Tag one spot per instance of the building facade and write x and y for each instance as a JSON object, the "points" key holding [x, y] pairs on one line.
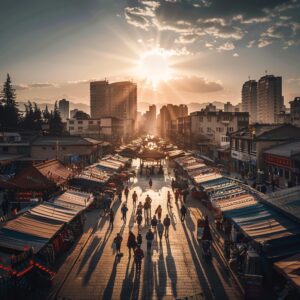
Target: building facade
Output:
{"points": [[100, 103], [295, 111], [249, 99], [64, 109], [269, 98]]}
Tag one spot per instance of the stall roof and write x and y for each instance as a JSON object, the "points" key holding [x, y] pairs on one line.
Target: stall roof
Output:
{"points": [[53, 212], [290, 268], [214, 179], [262, 223], [108, 165], [195, 166], [29, 225], [74, 199], [19, 241], [207, 179]]}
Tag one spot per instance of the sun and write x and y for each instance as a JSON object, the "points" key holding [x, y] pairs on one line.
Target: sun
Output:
{"points": [[154, 66]]}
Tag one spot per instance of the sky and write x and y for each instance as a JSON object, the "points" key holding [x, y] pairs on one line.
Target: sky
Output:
{"points": [[178, 51]]}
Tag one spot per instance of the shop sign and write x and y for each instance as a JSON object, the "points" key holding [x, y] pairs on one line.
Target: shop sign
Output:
{"points": [[242, 156], [278, 161]]}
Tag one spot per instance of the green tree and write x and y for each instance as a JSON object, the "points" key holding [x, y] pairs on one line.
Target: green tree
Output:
{"points": [[10, 112], [55, 123], [46, 114]]}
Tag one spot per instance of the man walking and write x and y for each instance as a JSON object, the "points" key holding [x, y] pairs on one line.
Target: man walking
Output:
{"points": [[111, 219], [154, 223], [167, 223], [160, 229], [138, 257], [118, 241], [183, 212], [134, 198], [126, 192], [124, 210], [149, 238]]}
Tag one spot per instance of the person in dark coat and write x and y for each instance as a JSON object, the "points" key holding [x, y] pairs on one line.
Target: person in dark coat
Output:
{"points": [[149, 238], [131, 242], [118, 241], [183, 212], [206, 231]]}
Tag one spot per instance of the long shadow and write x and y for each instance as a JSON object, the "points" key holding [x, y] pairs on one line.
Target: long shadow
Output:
{"points": [[96, 257], [216, 290], [127, 285], [171, 268], [161, 279], [148, 277], [111, 282]]}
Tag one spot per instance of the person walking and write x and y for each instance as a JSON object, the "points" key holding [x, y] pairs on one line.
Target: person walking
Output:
{"points": [[118, 241], [147, 208], [134, 198], [149, 238], [124, 210], [158, 211], [183, 211], [131, 242], [119, 194], [111, 219], [150, 183], [154, 223], [126, 192], [177, 195], [173, 184], [139, 209], [167, 223], [138, 257], [160, 229], [169, 200], [139, 220], [139, 239]]}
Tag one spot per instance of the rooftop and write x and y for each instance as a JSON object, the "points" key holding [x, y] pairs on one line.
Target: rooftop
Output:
{"points": [[64, 141], [286, 150]]}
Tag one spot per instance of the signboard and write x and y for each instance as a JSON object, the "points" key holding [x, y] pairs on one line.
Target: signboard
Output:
{"points": [[242, 156], [278, 161]]}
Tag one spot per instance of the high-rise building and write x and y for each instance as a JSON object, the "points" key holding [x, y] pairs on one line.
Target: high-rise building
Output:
{"points": [[123, 98], [295, 111], [100, 99], [249, 99], [64, 108], [269, 98], [118, 99], [228, 107]]}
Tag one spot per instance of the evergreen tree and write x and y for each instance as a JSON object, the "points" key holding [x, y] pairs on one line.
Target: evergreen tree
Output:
{"points": [[10, 113], [56, 124], [46, 114], [37, 118]]}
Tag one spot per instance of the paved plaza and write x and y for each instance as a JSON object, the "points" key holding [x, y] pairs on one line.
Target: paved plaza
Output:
{"points": [[175, 269]]}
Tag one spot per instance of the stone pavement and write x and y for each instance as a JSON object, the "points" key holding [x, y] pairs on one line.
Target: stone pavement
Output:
{"points": [[175, 269]]}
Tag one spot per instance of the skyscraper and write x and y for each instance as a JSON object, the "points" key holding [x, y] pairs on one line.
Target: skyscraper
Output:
{"points": [[269, 98], [100, 99], [64, 107], [249, 99], [118, 99]]}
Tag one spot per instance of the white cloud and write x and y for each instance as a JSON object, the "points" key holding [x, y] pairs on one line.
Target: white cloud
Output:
{"points": [[228, 46]]}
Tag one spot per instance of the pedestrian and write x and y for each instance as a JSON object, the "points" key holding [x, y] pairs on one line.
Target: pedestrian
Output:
{"points": [[126, 192], [139, 209], [147, 208], [160, 229], [177, 195], [139, 220], [158, 211], [173, 184], [183, 212], [167, 223], [124, 210], [111, 218], [185, 194], [154, 223], [119, 194], [118, 241], [139, 239], [131, 242], [134, 198], [149, 238], [138, 257], [169, 200], [150, 183]]}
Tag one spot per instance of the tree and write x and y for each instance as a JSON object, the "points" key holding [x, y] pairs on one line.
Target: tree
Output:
{"points": [[81, 115], [46, 114], [55, 123], [10, 112]]}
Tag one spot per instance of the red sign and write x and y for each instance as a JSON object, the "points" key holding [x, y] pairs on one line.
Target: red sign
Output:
{"points": [[278, 161]]}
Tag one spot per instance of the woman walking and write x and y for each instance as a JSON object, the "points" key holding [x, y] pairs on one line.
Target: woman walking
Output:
{"points": [[131, 242]]}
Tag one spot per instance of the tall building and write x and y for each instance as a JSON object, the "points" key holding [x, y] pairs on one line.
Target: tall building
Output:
{"points": [[295, 111], [269, 98], [118, 99], [64, 108], [149, 120], [100, 99], [249, 99], [123, 99], [228, 107]]}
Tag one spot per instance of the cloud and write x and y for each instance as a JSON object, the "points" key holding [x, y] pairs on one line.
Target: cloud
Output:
{"points": [[230, 20], [193, 84], [228, 46], [21, 87]]}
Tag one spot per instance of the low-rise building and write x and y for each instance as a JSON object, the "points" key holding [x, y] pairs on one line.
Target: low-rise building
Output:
{"points": [[108, 128], [282, 164], [248, 145]]}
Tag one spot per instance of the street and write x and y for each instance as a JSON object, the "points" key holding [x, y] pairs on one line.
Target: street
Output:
{"points": [[175, 269]]}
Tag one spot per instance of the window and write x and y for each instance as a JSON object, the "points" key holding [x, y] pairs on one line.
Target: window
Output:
{"points": [[71, 128], [64, 148], [80, 122], [91, 122], [80, 128], [208, 129], [200, 119], [5, 149], [201, 129], [209, 119], [71, 122]]}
